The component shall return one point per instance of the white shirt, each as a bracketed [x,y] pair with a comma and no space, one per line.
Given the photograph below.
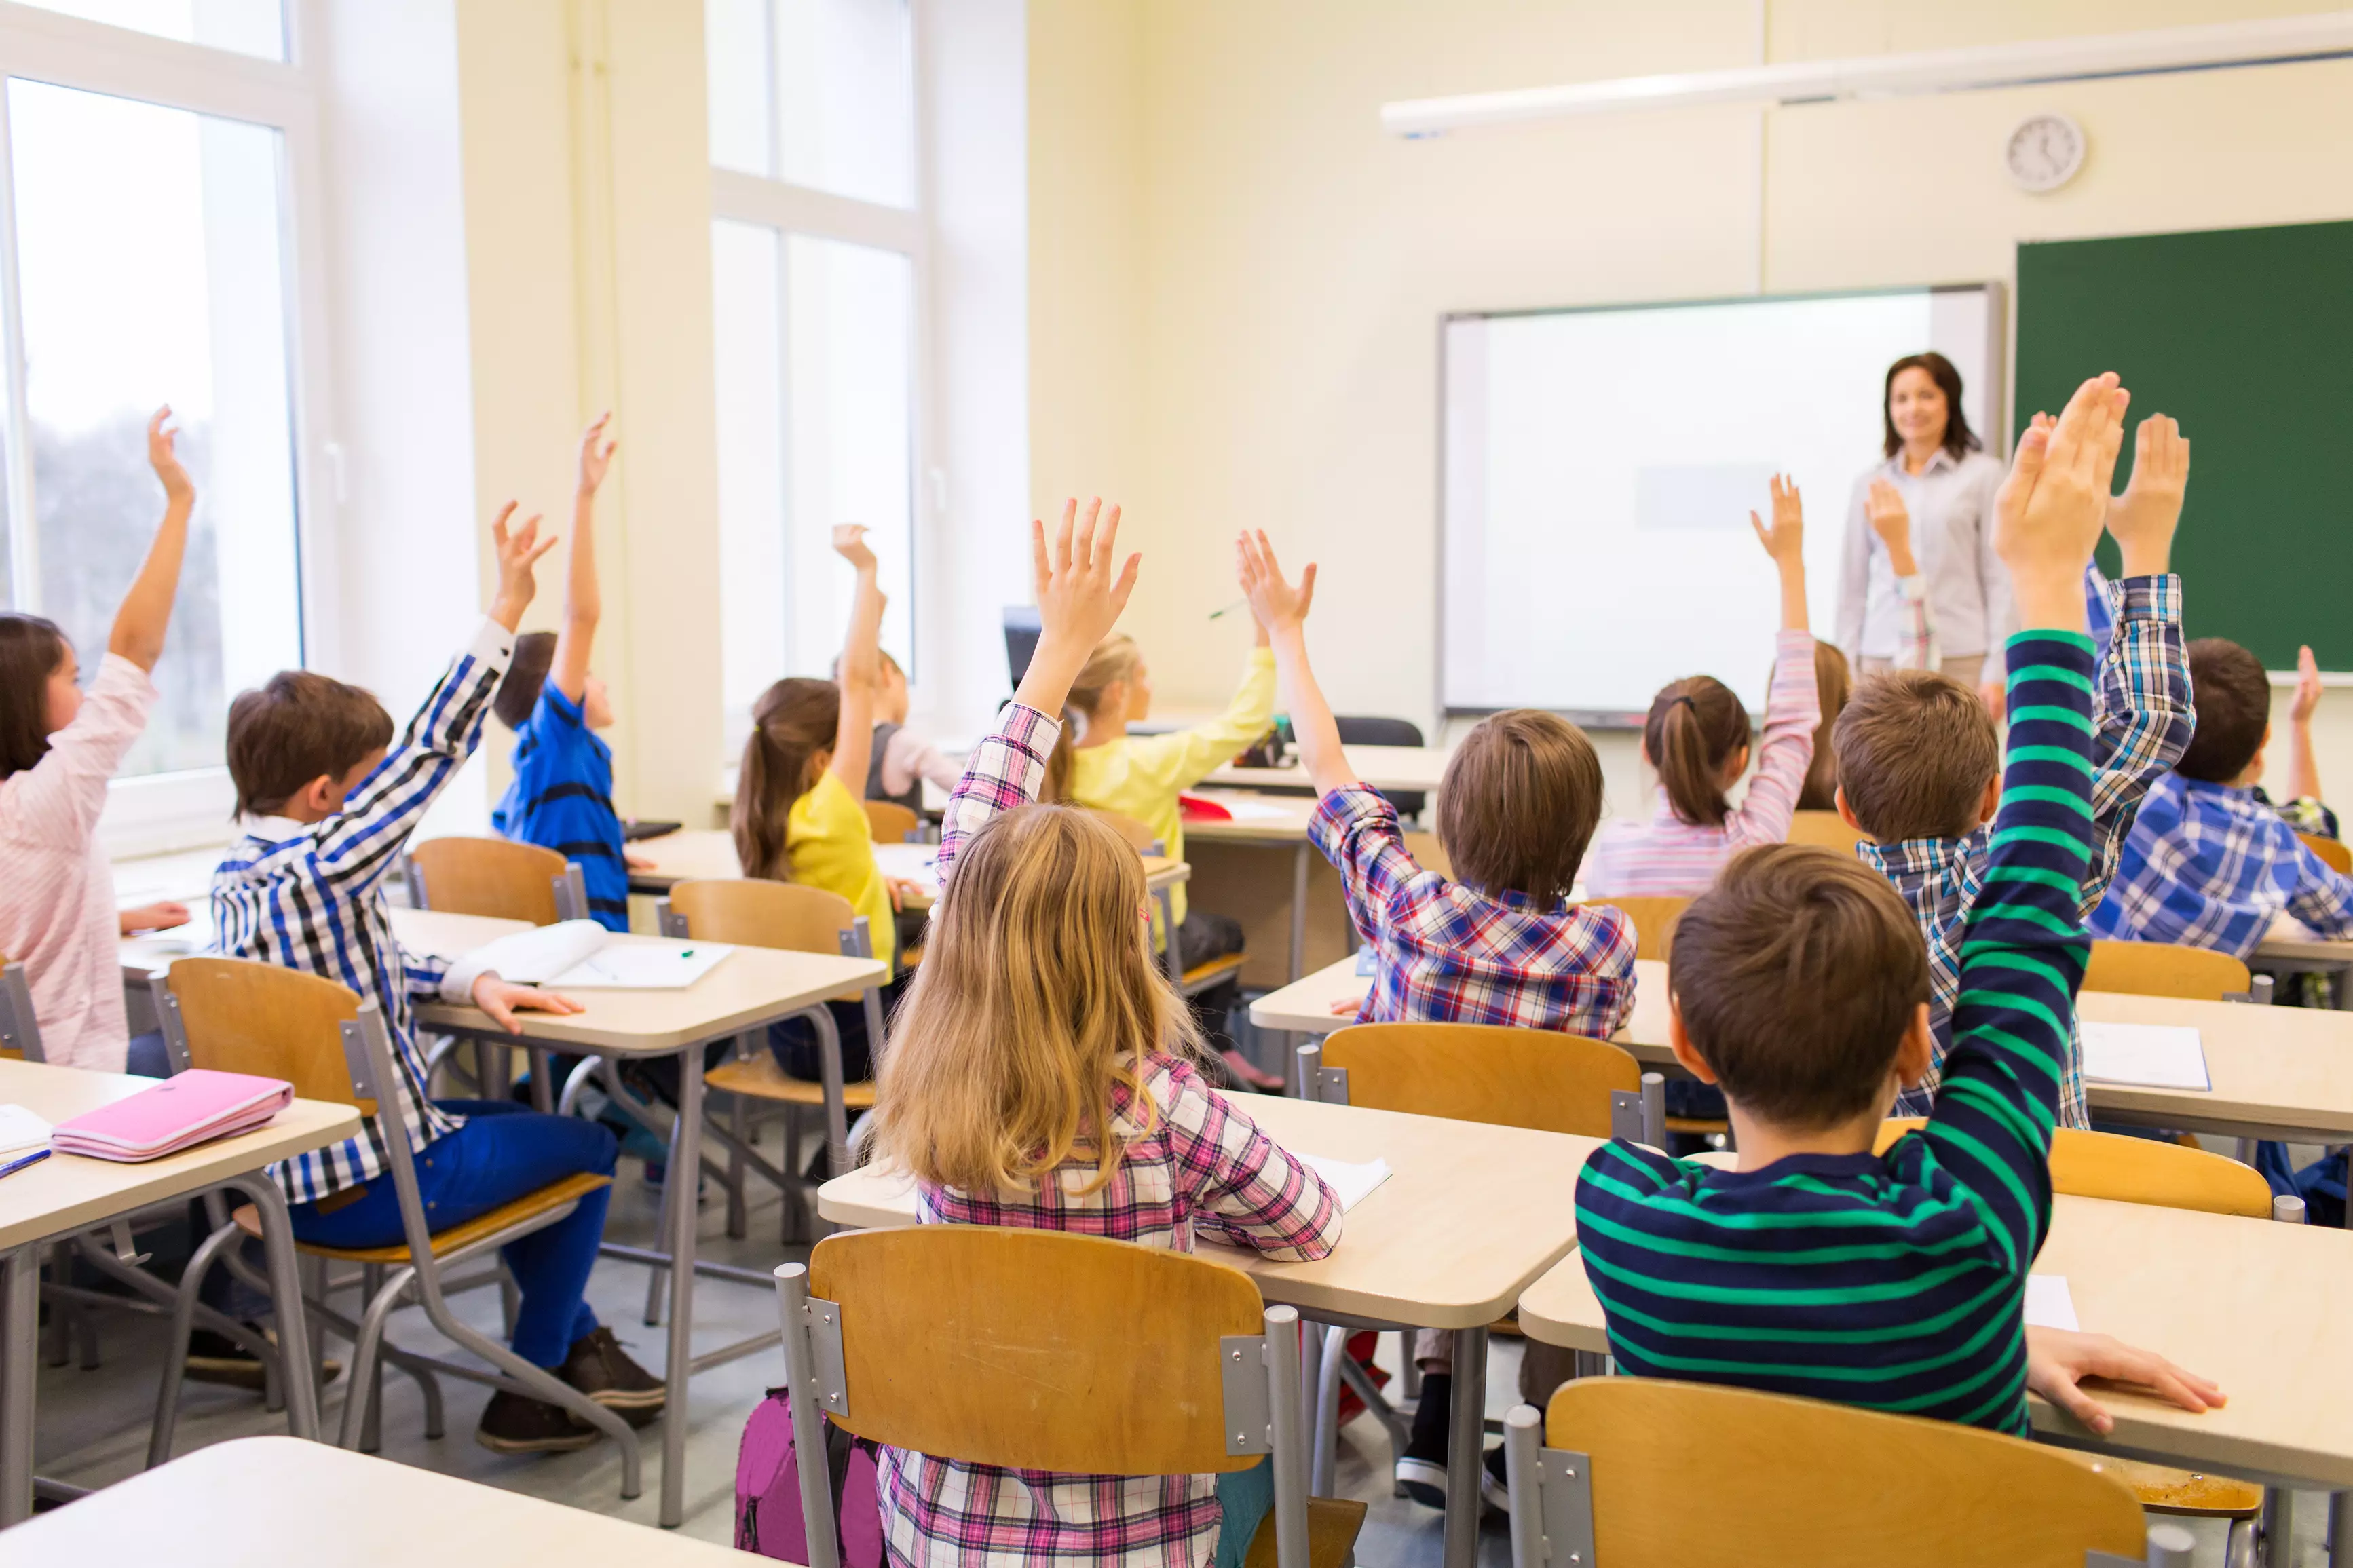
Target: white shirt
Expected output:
[908,756]
[1951,505]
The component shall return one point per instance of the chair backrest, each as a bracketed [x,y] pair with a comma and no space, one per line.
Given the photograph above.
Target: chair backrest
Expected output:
[1826,829]
[1361,729]
[1483,1072]
[1036,1349]
[2138,1171]
[1801,1482]
[1654,921]
[20,1029]
[888,822]
[494,877]
[1139,835]
[2164,969]
[237,1015]
[793,916]
[2332,853]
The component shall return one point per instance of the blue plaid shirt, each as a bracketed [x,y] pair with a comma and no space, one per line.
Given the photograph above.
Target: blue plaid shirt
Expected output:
[2145,723]
[2210,866]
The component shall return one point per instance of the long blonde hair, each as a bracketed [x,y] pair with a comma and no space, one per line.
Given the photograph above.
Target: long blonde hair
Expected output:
[1038,996]
[1115,659]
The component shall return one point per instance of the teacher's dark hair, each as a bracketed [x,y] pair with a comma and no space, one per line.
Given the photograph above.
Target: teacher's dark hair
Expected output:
[1959,439]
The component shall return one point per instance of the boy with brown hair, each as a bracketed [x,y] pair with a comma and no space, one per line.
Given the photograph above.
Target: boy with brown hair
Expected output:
[1498,943]
[1919,755]
[1817,1268]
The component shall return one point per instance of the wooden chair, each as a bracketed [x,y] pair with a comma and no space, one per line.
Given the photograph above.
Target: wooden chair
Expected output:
[498,878]
[235,1015]
[890,823]
[2143,1171]
[1654,921]
[795,918]
[2166,969]
[1607,1475]
[1826,829]
[1043,1350]
[20,1030]
[2334,853]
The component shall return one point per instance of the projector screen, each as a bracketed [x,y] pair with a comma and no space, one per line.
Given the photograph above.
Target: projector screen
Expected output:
[1601,466]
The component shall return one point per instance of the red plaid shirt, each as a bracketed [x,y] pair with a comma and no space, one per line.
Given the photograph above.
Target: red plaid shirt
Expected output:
[1448,954]
[1193,1165]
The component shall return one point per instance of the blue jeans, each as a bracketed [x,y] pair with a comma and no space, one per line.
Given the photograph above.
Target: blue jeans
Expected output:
[502,1152]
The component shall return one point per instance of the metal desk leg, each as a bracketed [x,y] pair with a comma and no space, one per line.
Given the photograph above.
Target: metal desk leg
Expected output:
[542,1091]
[286,1303]
[20,1315]
[1301,858]
[1466,1445]
[2340,1530]
[685,1177]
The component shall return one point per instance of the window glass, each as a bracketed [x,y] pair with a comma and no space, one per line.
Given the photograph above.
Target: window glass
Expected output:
[815,93]
[247,27]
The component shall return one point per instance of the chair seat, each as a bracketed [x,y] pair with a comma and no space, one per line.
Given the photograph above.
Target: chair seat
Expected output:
[1698,1126]
[2185,1493]
[1203,975]
[760,1078]
[1333,1524]
[555,1194]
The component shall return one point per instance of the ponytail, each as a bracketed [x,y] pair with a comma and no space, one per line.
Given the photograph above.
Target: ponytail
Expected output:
[1115,659]
[1695,727]
[792,723]
[1057,763]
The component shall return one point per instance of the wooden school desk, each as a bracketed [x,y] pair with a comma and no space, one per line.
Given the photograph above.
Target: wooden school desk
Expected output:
[1472,1215]
[272,1502]
[67,1194]
[2261,1308]
[2278,1072]
[751,989]
[2291,950]
[710,854]
[1395,768]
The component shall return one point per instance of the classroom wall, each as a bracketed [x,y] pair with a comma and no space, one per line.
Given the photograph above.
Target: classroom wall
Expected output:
[1236,278]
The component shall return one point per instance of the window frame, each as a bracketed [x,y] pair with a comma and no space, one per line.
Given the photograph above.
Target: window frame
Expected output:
[808,211]
[161,811]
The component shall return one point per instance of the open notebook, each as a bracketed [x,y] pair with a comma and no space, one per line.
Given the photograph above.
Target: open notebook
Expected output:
[581,955]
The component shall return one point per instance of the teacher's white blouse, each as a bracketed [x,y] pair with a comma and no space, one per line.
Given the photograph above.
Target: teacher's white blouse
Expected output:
[1951,505]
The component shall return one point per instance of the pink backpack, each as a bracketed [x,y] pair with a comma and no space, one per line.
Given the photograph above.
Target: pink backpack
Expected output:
[768,1519]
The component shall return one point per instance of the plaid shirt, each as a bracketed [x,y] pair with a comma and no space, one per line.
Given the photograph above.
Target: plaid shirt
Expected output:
[2210,866]
[2145,725]
[1446,953]
[310,897]
[1193,1165]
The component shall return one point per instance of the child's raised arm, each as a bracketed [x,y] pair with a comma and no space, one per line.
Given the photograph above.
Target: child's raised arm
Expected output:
[583,603]
[1281,610]
[2303,766]
[862,662]
[1785,542]
[139,625]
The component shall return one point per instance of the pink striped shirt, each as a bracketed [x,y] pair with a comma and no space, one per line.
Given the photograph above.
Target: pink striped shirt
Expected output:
[57,890]
[1669,857]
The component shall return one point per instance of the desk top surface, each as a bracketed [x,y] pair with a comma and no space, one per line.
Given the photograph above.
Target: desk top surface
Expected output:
[709,854]
[1430,1247]
[1383,767]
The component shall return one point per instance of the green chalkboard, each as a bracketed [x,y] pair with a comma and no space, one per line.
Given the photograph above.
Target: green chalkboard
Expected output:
[2245,336]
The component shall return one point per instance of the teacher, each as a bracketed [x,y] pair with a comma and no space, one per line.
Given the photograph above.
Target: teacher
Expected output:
[1936,483]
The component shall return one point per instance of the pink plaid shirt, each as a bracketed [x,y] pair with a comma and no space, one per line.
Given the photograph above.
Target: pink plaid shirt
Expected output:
[1193,1165]
[1449,953]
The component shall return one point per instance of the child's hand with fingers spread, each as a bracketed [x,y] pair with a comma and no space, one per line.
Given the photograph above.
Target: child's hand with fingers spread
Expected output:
[2307,687]
[502,1000]
[518,550]
[596,455]
[1078,599]
[1278,605]
[164,457]
[2047,513]
[2144,518]
[850,543]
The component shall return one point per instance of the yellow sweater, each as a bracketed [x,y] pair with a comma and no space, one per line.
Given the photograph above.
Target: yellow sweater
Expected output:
[1141,775]
[829,845]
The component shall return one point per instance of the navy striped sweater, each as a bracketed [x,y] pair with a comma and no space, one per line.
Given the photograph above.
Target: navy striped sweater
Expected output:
[1896,1282]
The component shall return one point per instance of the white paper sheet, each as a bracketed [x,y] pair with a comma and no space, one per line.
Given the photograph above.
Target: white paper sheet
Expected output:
[1354,1183]
[642,966]
[20,1128]
[916,863]
[2049,1303]
[1253,810]
[2155,1056]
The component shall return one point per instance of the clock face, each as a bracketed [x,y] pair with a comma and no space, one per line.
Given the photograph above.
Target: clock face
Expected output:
[2044,152]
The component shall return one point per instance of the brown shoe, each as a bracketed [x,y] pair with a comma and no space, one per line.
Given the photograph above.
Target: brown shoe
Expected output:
[599,1368]
[217,1357]
[515,1424]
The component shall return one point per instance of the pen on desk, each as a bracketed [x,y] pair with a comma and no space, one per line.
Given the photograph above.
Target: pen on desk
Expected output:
[12,1166]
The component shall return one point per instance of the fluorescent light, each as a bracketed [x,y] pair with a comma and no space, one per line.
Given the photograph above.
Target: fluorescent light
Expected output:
[2274,41]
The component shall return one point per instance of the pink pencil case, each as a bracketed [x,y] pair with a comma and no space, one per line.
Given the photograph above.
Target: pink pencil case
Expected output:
[193,1108]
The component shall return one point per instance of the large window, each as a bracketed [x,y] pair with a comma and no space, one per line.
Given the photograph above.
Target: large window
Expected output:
[144,201]
[818,268]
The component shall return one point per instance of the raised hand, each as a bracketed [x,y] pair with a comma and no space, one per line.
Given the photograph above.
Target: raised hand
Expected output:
[2047,513]
[850,543]
[2307,687]
[1079,598]
[2143,518]
[163,456]
[1889,519]
[596,454]
[519,552]
[1278,605]
[1785,542]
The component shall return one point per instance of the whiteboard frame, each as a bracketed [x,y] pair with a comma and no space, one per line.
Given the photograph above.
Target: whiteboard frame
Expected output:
[1999,347]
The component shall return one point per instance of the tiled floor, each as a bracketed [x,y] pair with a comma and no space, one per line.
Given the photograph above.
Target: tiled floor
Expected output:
[94,1424]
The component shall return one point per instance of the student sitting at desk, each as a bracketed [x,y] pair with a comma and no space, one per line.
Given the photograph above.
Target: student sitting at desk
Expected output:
[1818,1267]
[324,810]
[1044,1074]
[1504,945]
[59,749]
[902,758]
